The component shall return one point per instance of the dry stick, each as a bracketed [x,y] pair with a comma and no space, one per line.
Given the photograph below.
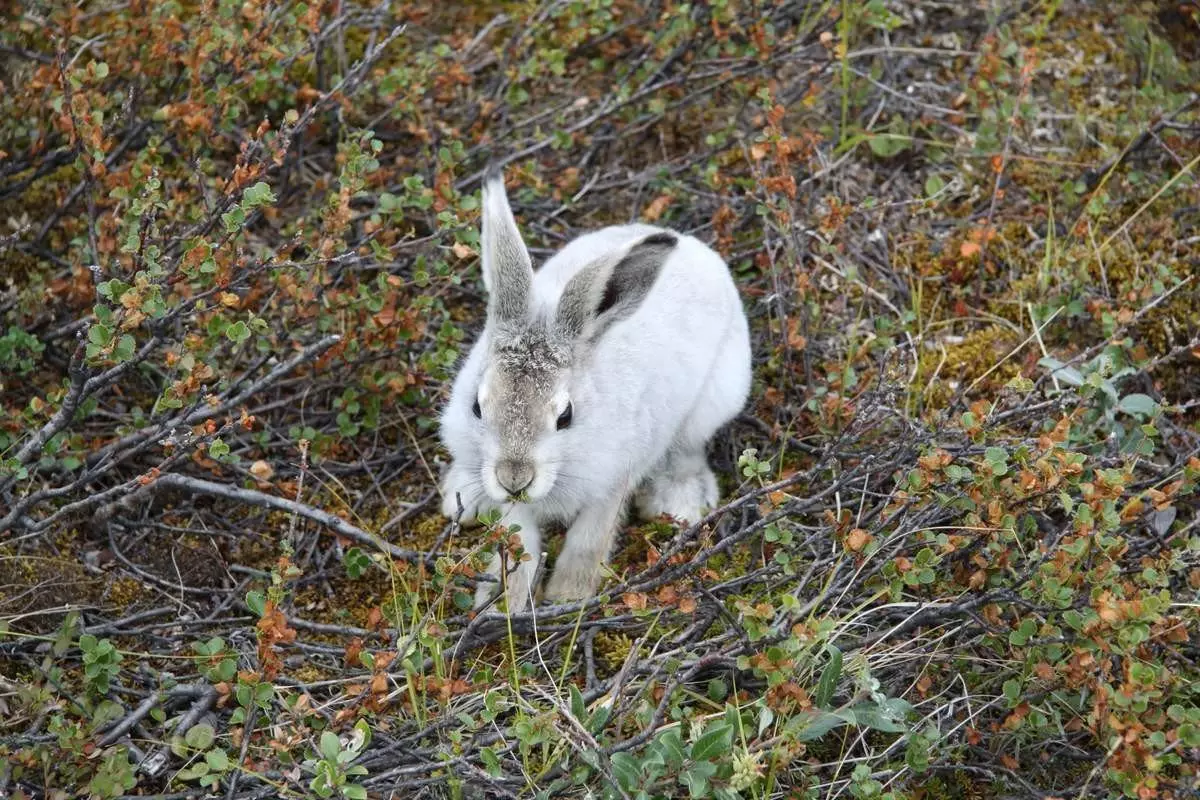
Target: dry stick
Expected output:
[80,389]
[1174,179]
[1096,178]
[205,412]
[253,497]
[1037,334]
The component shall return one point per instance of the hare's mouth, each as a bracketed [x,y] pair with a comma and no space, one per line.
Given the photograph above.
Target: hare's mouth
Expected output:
[512,481]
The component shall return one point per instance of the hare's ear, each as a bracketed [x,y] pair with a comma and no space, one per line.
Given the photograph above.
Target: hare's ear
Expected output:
[507,270]
[606,292]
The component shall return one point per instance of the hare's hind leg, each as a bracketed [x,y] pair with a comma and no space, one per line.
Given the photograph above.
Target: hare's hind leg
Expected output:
[681,486]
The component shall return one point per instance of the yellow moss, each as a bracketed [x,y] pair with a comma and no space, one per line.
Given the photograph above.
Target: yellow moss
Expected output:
[44,582]
[125,592]
[967,360]
[309,673]
[424,532]
[612,648]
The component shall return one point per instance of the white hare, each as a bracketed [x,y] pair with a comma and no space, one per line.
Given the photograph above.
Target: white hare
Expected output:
[598,378]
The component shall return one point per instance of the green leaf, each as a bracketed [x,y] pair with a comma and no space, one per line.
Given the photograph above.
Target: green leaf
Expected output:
[765,717]
[1068,375]
[491,762]
[330,746]
[237,332]
[600,719]
[886,145]
[916,754]
[713,743]
[1024,632]
[257,195]
[819,723]
[1138,405]
[200,736]
[197,770]
[696,778]
[233,219]
[933,185]
[670,744]
[870,715]
[626,770]
[578,709]
[354,792]
[256,601]
[217,759]
[99,335]
[827,683]
[1012,691]
[361,738]
[125,348]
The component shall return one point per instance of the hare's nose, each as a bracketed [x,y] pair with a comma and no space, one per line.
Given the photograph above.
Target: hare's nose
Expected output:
[514,476]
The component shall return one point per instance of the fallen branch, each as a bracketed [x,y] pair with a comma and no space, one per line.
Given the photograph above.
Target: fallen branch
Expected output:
[190,485]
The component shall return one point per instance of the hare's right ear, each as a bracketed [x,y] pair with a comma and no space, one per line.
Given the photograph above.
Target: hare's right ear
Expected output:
[507,270]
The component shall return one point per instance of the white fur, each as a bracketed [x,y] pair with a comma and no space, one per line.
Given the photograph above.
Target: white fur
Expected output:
[658,386]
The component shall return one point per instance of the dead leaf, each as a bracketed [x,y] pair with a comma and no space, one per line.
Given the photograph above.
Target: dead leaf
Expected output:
[657,206]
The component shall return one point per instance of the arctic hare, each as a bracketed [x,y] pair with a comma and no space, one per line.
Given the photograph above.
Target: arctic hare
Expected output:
[598,378]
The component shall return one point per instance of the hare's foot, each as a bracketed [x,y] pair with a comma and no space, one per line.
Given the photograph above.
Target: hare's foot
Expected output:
[579,569]
[682,486]
[516,577]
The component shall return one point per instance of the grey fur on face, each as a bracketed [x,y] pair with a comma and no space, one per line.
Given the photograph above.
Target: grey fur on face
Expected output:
[527,360]
[530,355]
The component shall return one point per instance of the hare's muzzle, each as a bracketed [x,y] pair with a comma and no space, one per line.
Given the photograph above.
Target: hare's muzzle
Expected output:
[514,476]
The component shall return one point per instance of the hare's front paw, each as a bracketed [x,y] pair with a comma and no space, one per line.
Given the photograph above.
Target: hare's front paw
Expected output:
[518,585]
[575,577]
[454,491]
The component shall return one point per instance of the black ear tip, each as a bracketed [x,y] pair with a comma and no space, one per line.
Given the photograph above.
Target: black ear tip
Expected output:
[493,173]
[663,239]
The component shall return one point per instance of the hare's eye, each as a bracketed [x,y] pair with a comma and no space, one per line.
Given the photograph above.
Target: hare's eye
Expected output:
[564,419]
[476,410]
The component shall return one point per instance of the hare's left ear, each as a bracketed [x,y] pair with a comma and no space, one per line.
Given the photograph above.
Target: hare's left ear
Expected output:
[507,270]
[605,292]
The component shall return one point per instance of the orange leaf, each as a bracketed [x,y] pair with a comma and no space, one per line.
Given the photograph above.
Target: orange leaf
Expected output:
[353,651]
[634,600]
[857,539]
[657,206]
